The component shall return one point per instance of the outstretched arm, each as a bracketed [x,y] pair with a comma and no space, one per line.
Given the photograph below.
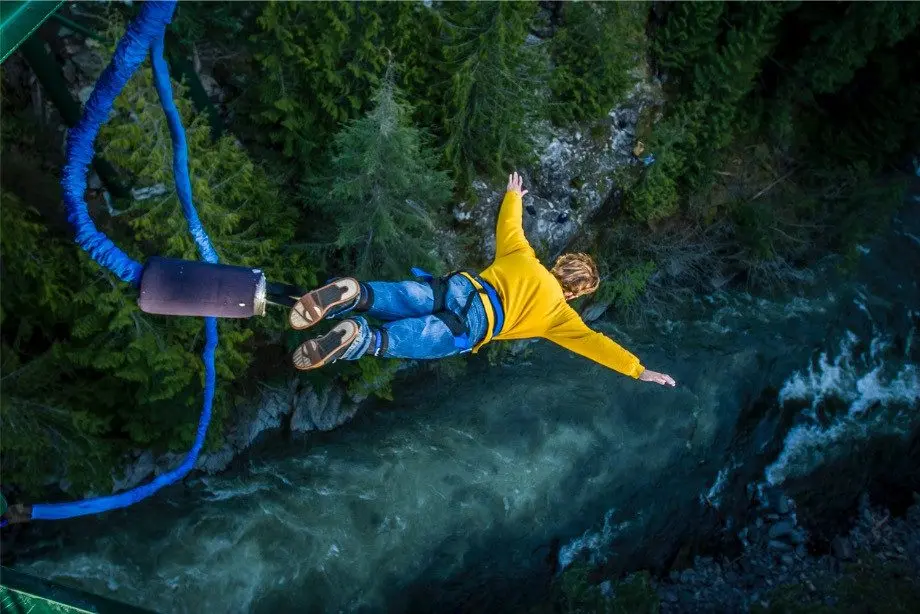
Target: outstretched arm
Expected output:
[573,334]
[509,231]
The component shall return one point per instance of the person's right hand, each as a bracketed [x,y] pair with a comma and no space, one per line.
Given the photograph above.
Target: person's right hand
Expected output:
[515,183]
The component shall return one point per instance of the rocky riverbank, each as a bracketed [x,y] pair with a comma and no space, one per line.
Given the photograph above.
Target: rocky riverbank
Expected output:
[780,570]
[297,407]
[875,567]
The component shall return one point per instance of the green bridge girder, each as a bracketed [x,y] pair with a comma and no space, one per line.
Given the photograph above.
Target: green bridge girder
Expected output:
[19,19]
[21,593]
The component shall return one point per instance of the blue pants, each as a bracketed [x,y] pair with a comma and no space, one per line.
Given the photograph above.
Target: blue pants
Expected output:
[412,330]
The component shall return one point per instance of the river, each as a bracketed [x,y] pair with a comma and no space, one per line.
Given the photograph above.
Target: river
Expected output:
[470,494]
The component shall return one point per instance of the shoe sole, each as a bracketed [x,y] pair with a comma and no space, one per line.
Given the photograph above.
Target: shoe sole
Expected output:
[313,306]
[323,350]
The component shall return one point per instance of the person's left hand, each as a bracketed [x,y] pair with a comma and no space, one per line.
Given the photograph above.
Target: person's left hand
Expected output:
[515,183]
[658,378]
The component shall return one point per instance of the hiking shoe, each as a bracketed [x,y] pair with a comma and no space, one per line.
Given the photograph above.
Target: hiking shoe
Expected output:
[328,348]
[316,305]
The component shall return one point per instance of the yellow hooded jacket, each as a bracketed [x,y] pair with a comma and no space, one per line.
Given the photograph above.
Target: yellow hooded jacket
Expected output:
[533,302]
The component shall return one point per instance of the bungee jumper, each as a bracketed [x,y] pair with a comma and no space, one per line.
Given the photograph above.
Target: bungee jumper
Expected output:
[516,297]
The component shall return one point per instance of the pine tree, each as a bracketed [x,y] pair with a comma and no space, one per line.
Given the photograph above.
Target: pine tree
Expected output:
[820,83]
[496,89]
[657,194]
[318,63]
[414,32]
[727,78]
[383,191]
[839,47]
[593,52]
[872,120]
[718,54]
[804,104]
[689,35]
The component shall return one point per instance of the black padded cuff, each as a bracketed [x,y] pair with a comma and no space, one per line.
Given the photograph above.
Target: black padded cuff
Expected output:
[366,300]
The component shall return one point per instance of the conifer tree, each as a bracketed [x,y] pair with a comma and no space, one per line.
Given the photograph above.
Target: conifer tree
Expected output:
[318,63]
[414,32]
[383,191]
[496,89]
[839,47]
[689,35]
[719,53]
[46,418]
[593,52]
[729,75]
[815,70]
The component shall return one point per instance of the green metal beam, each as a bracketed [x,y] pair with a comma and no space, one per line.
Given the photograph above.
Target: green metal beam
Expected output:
[25,593]
[49,75]
[19,19]
[18,22]
[76,27]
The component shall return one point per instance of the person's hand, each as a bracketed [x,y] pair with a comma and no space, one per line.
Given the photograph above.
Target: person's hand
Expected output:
[515,183]
[657,378]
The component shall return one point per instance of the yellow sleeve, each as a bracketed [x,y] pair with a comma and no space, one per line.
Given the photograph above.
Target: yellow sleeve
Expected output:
[509,231]
[573,334]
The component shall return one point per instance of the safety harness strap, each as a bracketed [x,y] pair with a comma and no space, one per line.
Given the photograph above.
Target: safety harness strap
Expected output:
[492,316]
[456,322]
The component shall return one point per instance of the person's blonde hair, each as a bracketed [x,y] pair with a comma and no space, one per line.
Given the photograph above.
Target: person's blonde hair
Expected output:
[577,274]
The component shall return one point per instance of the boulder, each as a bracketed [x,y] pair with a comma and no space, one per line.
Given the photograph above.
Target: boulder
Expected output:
[322,411]
[782,505]
[135,473]
[842,549]
[780,546]
[781,529]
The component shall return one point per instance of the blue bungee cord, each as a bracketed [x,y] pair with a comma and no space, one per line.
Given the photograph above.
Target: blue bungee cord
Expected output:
[145,34]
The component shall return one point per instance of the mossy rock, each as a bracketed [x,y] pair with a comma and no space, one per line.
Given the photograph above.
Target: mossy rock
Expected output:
[869,585]
[647,118]
[575,593]
[599,133]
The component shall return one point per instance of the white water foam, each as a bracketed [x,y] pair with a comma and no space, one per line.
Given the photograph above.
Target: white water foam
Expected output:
[713,496]
[824,379]
[594,543]
[870,393]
